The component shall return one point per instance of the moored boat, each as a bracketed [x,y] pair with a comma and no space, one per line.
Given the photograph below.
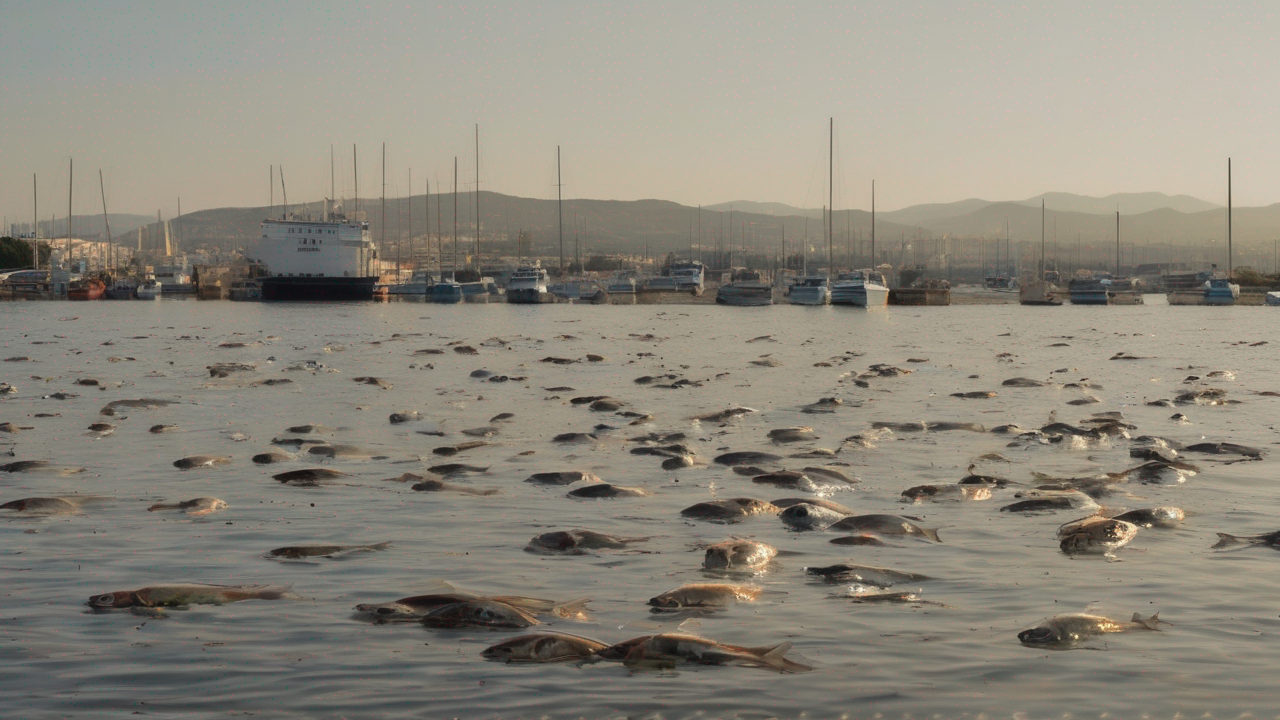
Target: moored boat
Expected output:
[528,286]
[87,288]
[812,290]
[446,291]
[862,288]
[1088,290]
[745,293]
[329,259]
[245,290]
[149,289]
[1221,291]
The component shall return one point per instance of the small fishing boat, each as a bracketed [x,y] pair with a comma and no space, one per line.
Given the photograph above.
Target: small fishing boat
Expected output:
[861,288]
[88,288]
[419,284]
[1221,291]
[149,289]
[446,291]
[1272,298]
[1088,290]
[812,290]
[124,288]
[746,290]
[528,286]
[247,290]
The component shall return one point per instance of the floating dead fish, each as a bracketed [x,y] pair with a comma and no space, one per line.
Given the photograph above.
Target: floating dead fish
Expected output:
[43,506]
[577,542]
[479,614]
[436,485]
[307,477]
[9,427]
[1206,396]
[1225,448]
[161,429]
[140,404]
[543,647]
[367,380]
[1065,630]
[272,457]
[863,539]
[195,508]
[605,490]
[200,461]
[738,555]
[456,468]
[820,502]
[39,466]
[865,574]
[308,429]
[974,395]
[564,477]
[405,416]
[487,431]
[728,510]
[1271,539]
[102,428]
[1163,517]
[450,450]
[222,370]
[747,457]
[822,406]
[809,516]
[301,552]
[411,609]
[574,437]
[672,649]
[946,493]
[792,434]
[192,594]
[766,362]
[606,404]
[349,452]
[1095,534]
[502,417]
[1048,503]
[885,525]
[704,595]
[724,415]
[827,473]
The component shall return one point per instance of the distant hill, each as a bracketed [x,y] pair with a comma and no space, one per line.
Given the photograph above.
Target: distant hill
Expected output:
[91,226]
[921,214]
[765,208]
[1126,203]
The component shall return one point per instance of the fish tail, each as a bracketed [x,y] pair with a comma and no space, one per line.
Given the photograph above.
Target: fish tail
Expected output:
[1225,540]
[1152,623]
[573,610]
[380,546]
[931,534]
[161,506]
[772,657]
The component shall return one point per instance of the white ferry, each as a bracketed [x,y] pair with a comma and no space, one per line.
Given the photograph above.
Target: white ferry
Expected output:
[529,286]
[317,260]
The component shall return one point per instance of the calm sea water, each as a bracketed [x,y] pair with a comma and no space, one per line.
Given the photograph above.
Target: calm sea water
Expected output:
[994,573]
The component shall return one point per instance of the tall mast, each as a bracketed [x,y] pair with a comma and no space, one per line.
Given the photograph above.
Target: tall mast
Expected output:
[873,224]
[35,222]
[179,219]
[71,166]
[105,219]
[328,209]
[284,191]
[271,194]
[382,244]
[412,256]
[477,196]
[699,237]
[439,232]
[426,205]
[1229,218]
[1117,243]
[355,174]
[1041,240]
[560,210]
[831,174]
[577,246]
[455,218]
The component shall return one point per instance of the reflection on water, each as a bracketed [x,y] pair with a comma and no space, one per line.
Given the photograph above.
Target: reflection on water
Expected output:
[948,646]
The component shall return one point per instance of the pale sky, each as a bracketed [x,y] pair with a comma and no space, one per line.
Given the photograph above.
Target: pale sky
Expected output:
[698,104]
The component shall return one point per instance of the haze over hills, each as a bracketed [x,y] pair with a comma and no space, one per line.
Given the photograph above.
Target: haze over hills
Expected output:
[1126,203]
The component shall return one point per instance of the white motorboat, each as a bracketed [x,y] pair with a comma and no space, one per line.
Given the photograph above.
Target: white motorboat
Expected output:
[862,288]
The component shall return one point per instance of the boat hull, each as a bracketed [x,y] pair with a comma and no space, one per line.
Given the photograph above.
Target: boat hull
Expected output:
[1185,297]
[920,296]
[809,296]
[1126,298]
[860,295]
[529,296]
[317,288]
[92,290]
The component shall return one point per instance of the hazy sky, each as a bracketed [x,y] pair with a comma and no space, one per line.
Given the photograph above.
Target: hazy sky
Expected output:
[937,101]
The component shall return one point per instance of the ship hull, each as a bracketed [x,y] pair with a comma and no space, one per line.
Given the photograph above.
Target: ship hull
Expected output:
[317,288]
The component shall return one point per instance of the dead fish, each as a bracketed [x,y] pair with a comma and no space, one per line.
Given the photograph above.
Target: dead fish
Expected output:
[748,457]
[42,506]
[307,477]
[142,403]
[196,507]
[490,614]
[672,648]
[270,458]
[787,479]
[865,574]
[1047,503]
[677,462]
[1207,396]
[192,594]
[885,525]
[974,395]
[450,450]
[435,485]
[339,451]
[502,417]
[1096,534]
[831,474]
[564,477]
[946,493]
[412,609]
[724,415]
[365,380]
[605,490]
[300,552]
[39,466]
[728,510]
[397,418]
[869,540]
[606,404]
[487,431]
[574,437]
[809,516]
[543,647]
[456,469]
[1023,382]
[738,555]
[1271,539]
[1164,517]
[200,461]
[820,502]
[1070,629]
[577,542]
[101,427]
[308,429]
[704,595]
[1225,448]
[792,434]
[822,406]
[295,443]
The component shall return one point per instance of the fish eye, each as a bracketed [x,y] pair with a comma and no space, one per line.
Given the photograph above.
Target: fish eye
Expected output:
[801,512]
[1040,634]
[105,600]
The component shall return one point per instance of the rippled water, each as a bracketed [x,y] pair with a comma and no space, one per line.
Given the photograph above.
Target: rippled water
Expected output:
[995,573]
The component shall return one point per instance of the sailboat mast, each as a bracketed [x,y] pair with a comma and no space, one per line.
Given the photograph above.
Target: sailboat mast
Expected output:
[1041,240]
[412,255]
[560,210]
[35,223]
[105,220]
[831,174]
[454,266]
[873,224]
[1229,273]
[1117,243]
[478,196]
[179,219]
[382,217]
[355,174]
[328,209]
[71,166]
